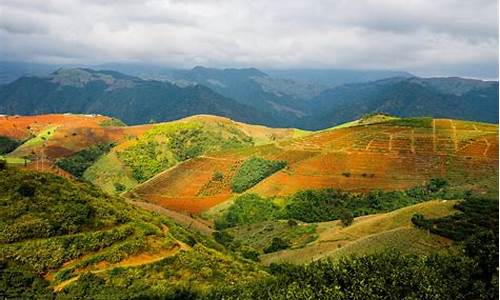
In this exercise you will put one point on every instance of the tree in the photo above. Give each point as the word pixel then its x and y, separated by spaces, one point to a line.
pixel 276 245
pixel 346 217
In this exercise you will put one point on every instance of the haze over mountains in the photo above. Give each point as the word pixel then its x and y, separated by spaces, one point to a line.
pixel 308 99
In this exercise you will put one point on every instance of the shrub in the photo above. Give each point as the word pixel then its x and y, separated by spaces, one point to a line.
pixel 217 176
pixel 277 244
pixel 247 209
pixel 119 187
pixel 346 217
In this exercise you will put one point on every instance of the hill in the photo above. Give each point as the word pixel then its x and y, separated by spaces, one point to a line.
pixel 165 145
pixel 131 99
pixel 387 154
pixel 371 234
pixel 64 239
pixel 455 98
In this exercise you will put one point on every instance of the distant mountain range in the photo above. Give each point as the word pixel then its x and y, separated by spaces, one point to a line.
pixel 250 95
pixel 131 99
pixel 406 97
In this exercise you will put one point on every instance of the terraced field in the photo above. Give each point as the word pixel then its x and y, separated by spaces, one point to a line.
pixel 389 154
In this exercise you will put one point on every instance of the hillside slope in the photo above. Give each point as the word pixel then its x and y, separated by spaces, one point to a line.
pixel 371 234
pixel 62 236
pixel 164 145
pixel 392 154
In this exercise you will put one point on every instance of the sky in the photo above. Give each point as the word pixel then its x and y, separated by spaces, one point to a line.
pixel 424 37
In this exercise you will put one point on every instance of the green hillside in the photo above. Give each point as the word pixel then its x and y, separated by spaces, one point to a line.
pixel 65 239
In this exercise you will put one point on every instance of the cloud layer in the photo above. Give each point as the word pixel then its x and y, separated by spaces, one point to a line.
pixel 427 37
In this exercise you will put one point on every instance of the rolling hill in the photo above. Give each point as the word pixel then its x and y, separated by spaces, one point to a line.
pixel 386 154
pixel 64 238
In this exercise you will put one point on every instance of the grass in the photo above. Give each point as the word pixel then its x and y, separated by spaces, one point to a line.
pixel 260 235
pixel 14 160
pixel 40 138
pixel 107 171
pixel 373 233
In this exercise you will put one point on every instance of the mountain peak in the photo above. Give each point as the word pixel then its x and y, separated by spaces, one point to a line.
pixel 79 77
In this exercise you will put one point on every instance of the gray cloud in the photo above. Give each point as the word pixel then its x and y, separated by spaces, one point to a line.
pixel 428 37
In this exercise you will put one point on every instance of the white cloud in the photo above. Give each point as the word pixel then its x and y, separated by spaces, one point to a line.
pixel 438 37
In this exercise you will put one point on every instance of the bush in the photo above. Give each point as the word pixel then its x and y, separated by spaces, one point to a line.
pixel 217 176
pixel 252 171
pixel 119 187
pixel 277 244
pixel 223 238
pixel 346 217
pixel 247 209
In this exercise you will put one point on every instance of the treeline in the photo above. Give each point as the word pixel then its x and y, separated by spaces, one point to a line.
pixel 329 204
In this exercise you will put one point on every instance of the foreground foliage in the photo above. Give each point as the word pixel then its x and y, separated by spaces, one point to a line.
pixel 381 276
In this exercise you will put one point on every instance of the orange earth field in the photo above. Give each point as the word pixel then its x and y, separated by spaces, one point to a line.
pixel 387 156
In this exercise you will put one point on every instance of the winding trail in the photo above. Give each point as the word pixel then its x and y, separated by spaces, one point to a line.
pixel 133 261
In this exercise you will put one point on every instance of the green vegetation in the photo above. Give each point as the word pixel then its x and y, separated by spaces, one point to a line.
pixel 7 144
pixel 168 144
pixel 113 122
pixel 108 171
pixel 277 244
pixel 380 276
pixel 14 160
pixel 477 215
pixel 425 122
pixel 40 138
pixel 80 237
pixel 34 205
pixel 256 237
pixel 328 204
pixel 252 171
pixel 247 209
pixel 77 163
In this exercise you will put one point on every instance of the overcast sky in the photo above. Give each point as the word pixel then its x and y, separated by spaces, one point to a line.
pixel 426 37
